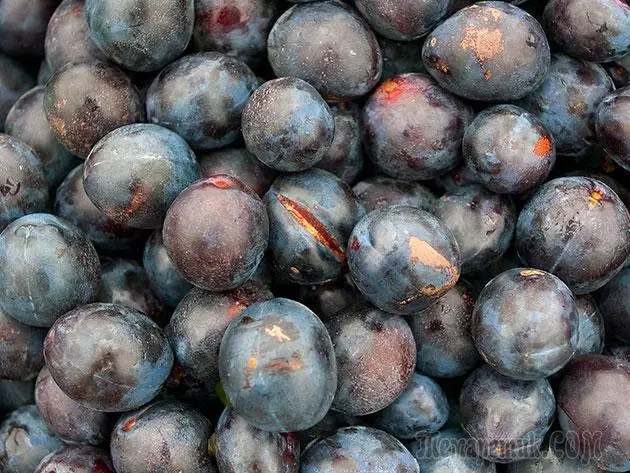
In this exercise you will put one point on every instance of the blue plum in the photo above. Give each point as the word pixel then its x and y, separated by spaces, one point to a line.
pixel 47 267
pixel 331 423
pixel 15 80
pixel 612 125
pixel 614 302
pixel 554 458
pixel 591 328
pixel 23 26
pixel 77 459
pixel 108 357
pixel 21 347
pixel 382 191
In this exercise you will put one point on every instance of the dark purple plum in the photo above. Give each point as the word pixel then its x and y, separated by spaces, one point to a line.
pixel 593 30
pixel 593 410
pixel 489 51
pixel 84 102
pixel 277 366
pixel 47 267
pixel 382 191
pixel 224 248
pixel 412 128
pixel 508 149
pixel 199 322
pixel 135 172
pixel 242 447
pixel 442 332
pixel 25 440
pixel 376 357
pixel 403 259
pixel 576 228
pixel 15 80
pixel 288 125
pixel 68 420
pixel 344 158
pixel 591 327
pixel 566 102
pixel 74 205
pixel 23 185
pixel 238 163
pixel 27 121
pixel 311 215
pixel 482 222
pixel 401 57
pixel 238 28
pixel 557 457
pixel 23 26
pixel 614 302
pixel 108 357
pixel 124 282
pixel 420 410
pixel 449 450
pixel 201 97
pixel 507 419
pixel 328 299
pixel 360 450
pixel 525 324
pixel 14 394
pixel 301 44
pixel 141 35
pixel 21 347
pixel 165 279
pixel 404 20
pixel 612 125
pixel 68 38
pixel 163 437
pixel 77 459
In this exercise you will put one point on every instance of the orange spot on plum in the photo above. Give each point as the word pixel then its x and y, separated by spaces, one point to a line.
pixel 543 146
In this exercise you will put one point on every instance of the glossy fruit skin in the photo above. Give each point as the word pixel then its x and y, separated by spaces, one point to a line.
pixel 23 26
pixel 84 102
pixel 346 64
pixel 403 259
pixel 24 190
pixel 591 328
pixel 108 357
pixel 506 418
pixel 489 51
pixel 240 164
pixel 553 459
pixel 358 449
pixel 141 35
pixel 401 57
pixel 421 409
pixel 311 215
pixel 525 324
pixel 47 267
pixel 27 121
pixel 443 336
pixel 376 357
pixel 242 447
pixel 382 191
pixel 567 100
pixel 344 158
pixel 513 160
pixel 158 165
pixel 224 250
pixel 412 128
pixel 199 322
pixel 596 31
pixel 124 282
pixel 162 437
pixel 288 125
pixel 77 459
pixel 15 80
pixel 187 97
pixel 277 366
pixel 589 378
pixel 68 420
pixel 449 450
pixel 613 302
pixel 14 394
pixel 25 440
pixel 567 215
pixel 612 125
pixel 165 279
pixel 74 205
pixel 236 28
pixel 482 222
pixel 20 349
pixel 68 38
